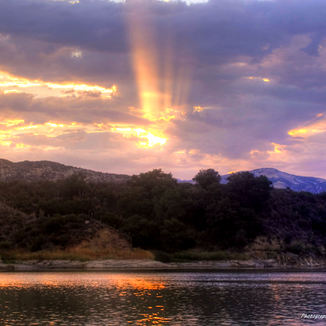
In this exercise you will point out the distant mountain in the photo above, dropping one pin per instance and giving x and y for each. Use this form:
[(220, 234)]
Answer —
[(284, 180), (51, 171)]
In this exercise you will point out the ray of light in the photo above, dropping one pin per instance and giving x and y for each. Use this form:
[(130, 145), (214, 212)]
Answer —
[(162, 87), (144, 59)]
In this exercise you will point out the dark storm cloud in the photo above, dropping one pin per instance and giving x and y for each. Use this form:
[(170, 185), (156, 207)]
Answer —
[(206, 35), (214, 32), (86, 24)]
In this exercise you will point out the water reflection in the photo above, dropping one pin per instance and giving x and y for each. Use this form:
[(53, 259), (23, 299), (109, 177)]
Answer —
[(161, 298)]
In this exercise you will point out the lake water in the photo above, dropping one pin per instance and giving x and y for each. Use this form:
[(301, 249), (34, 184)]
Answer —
[(200, 298)]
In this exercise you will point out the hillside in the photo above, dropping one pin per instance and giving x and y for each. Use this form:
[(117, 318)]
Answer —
[(51, 171), (154, 212), (28, 236)]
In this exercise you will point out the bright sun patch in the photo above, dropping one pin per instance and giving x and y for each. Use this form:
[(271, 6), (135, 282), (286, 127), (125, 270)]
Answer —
[(146, 138)]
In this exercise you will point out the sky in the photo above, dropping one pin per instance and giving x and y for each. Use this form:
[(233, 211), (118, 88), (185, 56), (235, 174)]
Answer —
[(129, 86)]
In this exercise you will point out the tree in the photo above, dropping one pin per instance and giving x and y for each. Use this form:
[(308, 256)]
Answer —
[(153, 182), (248, 190), (207, 178)]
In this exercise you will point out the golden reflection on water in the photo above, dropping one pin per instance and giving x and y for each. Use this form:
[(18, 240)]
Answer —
[(25, 280), (100, 298), (144, 289), (153, 319), (135, 282)]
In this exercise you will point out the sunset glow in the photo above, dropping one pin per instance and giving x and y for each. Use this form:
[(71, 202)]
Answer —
[(150, 150), (129, 86)]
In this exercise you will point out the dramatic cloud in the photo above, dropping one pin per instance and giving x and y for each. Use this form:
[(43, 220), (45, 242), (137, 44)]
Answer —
[(127, 86)]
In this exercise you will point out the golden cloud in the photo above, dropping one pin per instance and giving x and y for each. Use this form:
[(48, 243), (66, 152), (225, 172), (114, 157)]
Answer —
[(264, 79), (15, 84), (310, 129), (12, 130)]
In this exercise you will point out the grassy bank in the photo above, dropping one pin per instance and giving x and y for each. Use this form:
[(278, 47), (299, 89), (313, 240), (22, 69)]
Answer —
[(75, 254)]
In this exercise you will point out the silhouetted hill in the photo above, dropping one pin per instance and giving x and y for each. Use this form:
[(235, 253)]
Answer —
[(51, 171)]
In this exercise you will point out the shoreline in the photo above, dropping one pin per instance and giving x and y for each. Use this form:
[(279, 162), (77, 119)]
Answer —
[(141, 265)]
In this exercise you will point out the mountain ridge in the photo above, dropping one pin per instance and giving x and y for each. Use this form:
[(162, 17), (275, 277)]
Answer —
[(283, 180), (53, 171)]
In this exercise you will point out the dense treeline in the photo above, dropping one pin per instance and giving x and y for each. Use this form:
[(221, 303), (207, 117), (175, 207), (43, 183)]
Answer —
[(156, 212)]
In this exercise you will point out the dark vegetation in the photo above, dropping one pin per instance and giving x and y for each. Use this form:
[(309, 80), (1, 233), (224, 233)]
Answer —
[(157, 213)]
